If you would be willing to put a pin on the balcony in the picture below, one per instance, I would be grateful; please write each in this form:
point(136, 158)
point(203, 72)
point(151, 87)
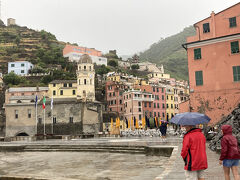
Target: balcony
point(147, 99)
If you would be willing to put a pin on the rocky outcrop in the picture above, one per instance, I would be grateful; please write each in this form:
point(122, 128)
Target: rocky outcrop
point(232, 119)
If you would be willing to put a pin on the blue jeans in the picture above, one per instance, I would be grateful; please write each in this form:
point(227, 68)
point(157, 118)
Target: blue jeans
point(230, 162)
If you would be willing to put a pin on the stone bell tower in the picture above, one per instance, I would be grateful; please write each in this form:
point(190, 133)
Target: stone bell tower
point(85, 79)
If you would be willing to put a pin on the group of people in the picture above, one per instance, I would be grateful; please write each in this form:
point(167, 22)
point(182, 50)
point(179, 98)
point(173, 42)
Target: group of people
point(195, 157)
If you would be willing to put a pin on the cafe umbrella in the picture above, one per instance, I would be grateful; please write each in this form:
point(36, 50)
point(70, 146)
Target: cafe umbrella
point(190, 118)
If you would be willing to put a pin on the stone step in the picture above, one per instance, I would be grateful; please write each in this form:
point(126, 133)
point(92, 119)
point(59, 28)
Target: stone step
point(85, 150)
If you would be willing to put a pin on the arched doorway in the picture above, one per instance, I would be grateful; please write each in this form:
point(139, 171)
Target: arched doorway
point(22, 134)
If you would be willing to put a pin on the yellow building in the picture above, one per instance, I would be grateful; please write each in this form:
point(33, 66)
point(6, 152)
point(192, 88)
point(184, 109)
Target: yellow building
point(170, 109)
point(86, 79)
point(159, 75)
point(114, 77)
point(62, 89)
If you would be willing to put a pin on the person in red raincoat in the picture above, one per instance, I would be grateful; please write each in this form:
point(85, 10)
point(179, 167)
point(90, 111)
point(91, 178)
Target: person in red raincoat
point(230, 153)
point(194, 153)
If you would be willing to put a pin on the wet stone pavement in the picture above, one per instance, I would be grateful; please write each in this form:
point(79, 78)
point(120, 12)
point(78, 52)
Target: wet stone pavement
point(101, 165)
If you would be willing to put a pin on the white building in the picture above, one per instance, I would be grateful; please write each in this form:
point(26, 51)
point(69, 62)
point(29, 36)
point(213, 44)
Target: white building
point(20, 67)
point(73, 56)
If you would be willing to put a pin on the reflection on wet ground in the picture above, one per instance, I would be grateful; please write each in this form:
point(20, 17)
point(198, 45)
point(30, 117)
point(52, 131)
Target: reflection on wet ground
point(82, 165)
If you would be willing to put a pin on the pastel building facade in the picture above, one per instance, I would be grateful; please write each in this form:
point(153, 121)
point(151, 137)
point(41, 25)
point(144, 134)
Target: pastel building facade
point(63, 89)
point(20, 67)
point(213, 64)
point(74, 53)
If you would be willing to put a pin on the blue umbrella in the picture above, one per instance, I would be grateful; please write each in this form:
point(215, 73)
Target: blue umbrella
point(190, 118)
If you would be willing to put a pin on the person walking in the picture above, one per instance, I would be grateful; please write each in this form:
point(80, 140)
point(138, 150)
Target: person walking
point(163, 129)
point(230, 153)
point(194, 153)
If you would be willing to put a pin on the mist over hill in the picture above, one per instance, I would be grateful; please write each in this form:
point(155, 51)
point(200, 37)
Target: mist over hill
point(170, 53)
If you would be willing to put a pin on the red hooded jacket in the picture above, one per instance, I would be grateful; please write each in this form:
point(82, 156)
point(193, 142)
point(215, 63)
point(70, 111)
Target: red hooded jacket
point(194, 150)
point(229, 144)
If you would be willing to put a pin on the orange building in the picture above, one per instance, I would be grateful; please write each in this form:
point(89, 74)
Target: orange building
point(214, 64)
point(82, 50)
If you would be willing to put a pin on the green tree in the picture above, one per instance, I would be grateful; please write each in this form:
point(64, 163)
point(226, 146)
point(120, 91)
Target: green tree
point(135, 66)
point(112, 63)
point(13, 79)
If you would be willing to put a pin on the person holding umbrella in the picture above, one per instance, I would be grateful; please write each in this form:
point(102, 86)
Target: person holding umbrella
point(194, 144)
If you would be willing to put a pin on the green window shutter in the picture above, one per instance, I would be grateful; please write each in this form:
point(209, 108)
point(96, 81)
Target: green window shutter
point(232, 22)
point(234, 47)
point(199, 78)
point(236, 73)
point(197, 53)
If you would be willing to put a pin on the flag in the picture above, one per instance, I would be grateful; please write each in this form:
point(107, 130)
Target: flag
point(36, 100)
point(51, 103)
point(44, 102)
point(111, 124)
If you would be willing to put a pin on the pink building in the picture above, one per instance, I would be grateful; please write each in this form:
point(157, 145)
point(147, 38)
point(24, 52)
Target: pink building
point(114, 97)
point(213, 64)
point(159, 104)
point(24, 94)
point(82, 50)
point(134, 103)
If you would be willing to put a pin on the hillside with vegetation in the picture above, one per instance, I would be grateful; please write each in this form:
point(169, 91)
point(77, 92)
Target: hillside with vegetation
point(41, 48)
point(170, 53)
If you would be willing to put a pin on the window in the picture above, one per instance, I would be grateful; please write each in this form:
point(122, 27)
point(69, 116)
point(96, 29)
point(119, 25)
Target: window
point(145, 104)
point(65, 85)
point(70, 119)
point(16, 114)
point(29, 113)
point(140, 117)
point(54, 85)
point(172, 106)
point(85, 68)
point(79, 82)
point(163, 115)
point(163, 106)
point(85, 81)
point(12, 65)
point(162, 90)
point(113, 93)
point(149, 104)
point(153, 89)
point(139, 110)
point(199, 78)
point(234, 47)
point(171, 97)
point(162, 97)
point(73, 92)
point(154, 105)
point(54, 120)
point(157, 90)
point(236, 73)
point(167, 105)
point(22, 71)
point(90, 68)
point(206, 28)
point(197, 53)
point(120, 101)
point(232, 22)
point(54, 93)
point(22, 65)
point(167, 97)
point(158, 114)
point(39, 120)
point(70, 84)
point(61, 92)
point(158, 105)
point(139, 103)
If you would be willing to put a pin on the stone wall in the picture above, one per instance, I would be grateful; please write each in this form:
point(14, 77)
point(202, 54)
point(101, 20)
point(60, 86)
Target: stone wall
point(85, 118)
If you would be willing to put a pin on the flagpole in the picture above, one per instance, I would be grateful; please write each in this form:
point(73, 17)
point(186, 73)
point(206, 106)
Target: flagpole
point(52, 113)
point(36, 114)
point(44, 121)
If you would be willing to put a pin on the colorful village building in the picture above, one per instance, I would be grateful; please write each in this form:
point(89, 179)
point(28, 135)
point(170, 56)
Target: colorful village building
point(213, 64)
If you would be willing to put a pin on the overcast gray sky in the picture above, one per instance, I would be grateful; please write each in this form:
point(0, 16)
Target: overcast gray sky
point(129, 26)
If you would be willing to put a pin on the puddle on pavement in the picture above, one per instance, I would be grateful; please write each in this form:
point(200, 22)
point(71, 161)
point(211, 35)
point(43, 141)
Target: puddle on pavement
point(82, 165)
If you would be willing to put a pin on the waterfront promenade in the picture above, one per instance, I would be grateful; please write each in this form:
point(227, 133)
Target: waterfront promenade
point(169, 168)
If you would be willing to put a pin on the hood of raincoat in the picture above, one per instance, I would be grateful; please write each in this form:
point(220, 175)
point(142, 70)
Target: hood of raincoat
point(227, 129)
